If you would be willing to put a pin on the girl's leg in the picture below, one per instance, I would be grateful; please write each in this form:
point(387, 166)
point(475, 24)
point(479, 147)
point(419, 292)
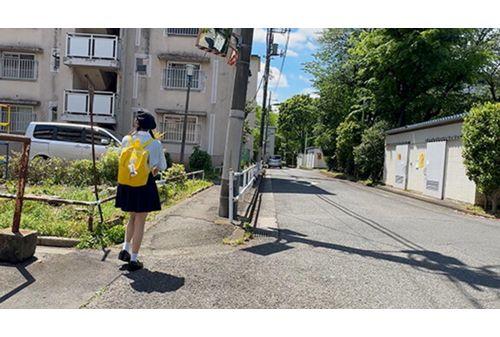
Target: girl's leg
point(140, 220)
point(130, 229)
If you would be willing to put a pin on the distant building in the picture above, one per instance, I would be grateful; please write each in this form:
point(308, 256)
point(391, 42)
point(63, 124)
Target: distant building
point(42, 76)
point(427, 158)
point(313, 158)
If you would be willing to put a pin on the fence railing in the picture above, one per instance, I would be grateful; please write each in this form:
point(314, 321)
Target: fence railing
point(185, 175)
point(18, 68)
point(245, 179)
point(92, 46)
point(176, 78)
point(172, 131)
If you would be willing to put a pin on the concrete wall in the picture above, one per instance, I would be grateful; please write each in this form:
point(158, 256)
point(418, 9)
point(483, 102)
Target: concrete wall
point(456, 184)
point(49, 86)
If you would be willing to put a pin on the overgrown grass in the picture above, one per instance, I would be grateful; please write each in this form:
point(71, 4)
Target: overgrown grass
point(72, 221)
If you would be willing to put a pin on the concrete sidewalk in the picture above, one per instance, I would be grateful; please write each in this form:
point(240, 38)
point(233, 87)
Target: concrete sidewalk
point(71, 278)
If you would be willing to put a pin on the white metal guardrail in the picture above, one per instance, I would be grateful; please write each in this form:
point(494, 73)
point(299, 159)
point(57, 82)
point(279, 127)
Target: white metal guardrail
point(245, 179)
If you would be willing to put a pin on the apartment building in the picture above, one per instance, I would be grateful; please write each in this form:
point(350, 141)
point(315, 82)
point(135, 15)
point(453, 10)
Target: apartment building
point(43, 77)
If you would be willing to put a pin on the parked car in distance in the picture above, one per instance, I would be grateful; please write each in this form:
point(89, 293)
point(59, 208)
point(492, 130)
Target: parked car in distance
point(274, 161)
point(68, 141)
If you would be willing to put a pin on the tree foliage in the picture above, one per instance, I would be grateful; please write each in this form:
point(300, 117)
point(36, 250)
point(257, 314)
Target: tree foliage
point(348, 136)
point(400, 76)
point(481, 139)
point(296, 120)
point(369, 154)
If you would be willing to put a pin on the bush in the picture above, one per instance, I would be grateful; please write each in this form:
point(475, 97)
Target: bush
point(481, 141)
point(80, 173)
point(108, 166)
point(369, 155)
point(348, 136)
point(200, 160)
point(176, 170)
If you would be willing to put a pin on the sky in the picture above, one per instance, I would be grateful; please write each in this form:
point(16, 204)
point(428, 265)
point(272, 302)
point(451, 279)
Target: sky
point(294, 80)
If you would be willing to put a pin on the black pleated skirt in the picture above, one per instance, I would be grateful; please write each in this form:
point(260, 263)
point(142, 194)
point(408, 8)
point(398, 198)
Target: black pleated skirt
point(138, 199)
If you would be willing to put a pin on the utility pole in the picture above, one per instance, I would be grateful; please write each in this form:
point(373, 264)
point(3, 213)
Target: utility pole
point(266, 131)
point(236, 120)
point(271, 50)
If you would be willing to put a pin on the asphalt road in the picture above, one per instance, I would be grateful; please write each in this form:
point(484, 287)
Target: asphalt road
point(323, 243)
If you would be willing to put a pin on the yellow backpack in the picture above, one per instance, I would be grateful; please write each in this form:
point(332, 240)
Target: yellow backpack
point(133, 166)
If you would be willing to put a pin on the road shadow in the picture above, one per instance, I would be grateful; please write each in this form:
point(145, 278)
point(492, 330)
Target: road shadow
point(280, 185)
point(146, 281)
point(29, 279)
point(425, 260)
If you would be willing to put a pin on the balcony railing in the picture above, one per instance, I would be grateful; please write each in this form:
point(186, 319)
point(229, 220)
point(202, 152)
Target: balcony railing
point(92, 46)
point(77, 102)
point(173, 131)
point(17, 68)
point(176, 78)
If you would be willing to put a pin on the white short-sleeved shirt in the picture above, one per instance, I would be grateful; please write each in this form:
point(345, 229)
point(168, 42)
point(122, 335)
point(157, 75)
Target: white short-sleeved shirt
point(156, 156)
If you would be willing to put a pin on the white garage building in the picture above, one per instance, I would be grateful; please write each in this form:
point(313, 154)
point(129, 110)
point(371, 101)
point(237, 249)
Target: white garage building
point(427, 158)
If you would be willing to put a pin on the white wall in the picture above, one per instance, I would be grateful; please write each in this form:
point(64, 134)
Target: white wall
point(456, 184)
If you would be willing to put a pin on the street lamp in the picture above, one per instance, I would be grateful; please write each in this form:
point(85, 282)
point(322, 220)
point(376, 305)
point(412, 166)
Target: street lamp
point(189, 74)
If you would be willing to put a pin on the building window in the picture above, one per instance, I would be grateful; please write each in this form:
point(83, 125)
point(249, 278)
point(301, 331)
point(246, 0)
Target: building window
point(18, 66)
point(172, 129)
point(20, 118)
point(175, 77)
point(181, 31)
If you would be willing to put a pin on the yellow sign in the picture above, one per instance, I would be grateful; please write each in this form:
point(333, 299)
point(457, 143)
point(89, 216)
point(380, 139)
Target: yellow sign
point(421, 160)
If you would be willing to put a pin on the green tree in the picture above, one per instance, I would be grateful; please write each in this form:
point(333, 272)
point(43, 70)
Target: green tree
point(418, 74)
point(348, 136)
point(296, 120)
point(369, 155)
point(481, 139)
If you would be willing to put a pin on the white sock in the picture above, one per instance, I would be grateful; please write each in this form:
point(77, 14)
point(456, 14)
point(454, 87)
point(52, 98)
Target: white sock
point(126, 246)
point(134, 257)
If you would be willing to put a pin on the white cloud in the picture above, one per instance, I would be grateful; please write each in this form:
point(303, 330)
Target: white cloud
point(291, 53)
point(305, 79)
point(310, 92)
point(273, 81)
point(302, 38)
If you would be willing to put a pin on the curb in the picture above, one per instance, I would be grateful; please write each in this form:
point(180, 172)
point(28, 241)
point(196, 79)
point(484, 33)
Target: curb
point(414, 196)
point(434, 202)
point(56, 241)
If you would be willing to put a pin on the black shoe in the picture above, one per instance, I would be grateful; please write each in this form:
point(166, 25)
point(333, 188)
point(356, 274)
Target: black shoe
point(135, 265)
point(124, 256)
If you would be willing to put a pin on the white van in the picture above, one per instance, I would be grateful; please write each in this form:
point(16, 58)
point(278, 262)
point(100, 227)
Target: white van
point(68, 141)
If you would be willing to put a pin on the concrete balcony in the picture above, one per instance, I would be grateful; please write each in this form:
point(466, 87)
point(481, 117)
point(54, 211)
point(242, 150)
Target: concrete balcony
point(76, 107)
point(92, 50)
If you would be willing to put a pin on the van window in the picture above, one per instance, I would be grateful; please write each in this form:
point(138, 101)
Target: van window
point(98, 137)
point(44, 132)
point(69, 134)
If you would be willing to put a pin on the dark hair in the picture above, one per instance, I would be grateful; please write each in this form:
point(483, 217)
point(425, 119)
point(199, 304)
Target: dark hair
point(145, 122)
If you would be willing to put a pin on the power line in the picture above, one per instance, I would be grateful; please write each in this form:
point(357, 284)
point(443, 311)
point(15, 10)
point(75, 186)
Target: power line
point(283, 60)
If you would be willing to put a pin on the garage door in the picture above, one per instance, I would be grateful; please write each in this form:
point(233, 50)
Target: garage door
point(434, 169)
point(401, 166)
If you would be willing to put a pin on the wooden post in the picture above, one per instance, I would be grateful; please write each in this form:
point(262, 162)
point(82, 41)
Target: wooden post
point(91, 89)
